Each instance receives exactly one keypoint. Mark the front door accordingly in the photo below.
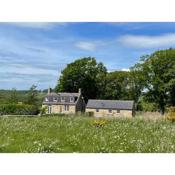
(49, 109)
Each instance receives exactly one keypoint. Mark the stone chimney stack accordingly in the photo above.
(79, 90)
(49, 90)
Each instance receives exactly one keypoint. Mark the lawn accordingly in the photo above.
(66, 134)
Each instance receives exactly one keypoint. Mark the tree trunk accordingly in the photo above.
(162, 107)
(162, 111)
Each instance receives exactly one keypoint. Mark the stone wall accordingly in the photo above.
(113, 113)
(60, 109)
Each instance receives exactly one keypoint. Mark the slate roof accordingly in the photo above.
(69, 94)
(110, 104)
(51, 97)
(63, 94)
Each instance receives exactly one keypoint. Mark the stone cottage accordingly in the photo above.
(115, 108)
(63, 102)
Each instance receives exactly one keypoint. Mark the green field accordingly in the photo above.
(66, 134)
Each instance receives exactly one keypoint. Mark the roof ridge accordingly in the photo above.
(109, 100)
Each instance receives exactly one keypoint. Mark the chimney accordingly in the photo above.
(79, 90)
(49, 90)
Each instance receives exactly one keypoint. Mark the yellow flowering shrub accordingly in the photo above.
(171, 114)
(99, 123)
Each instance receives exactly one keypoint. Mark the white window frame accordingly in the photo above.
(46, 99)
(55, 99)
(66, 107)
(71, 99)
(63, 99)
(49, 109)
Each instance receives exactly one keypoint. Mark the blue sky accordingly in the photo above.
(35, 53)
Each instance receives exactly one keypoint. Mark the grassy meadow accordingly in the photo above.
(68, 134)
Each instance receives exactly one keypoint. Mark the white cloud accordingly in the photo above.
(125, 69)
(143, 41)
(89, 46)
(39, 25)
(24, 69)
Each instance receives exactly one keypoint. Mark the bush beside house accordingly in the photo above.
(18, 109)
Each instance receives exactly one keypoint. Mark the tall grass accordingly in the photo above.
(66, 134)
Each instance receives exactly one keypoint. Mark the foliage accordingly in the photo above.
(32, 96)
(99, 123)
(55, 115)
(43, 110)
(76, 134)
(13, 96)
(171, 114)
(146, 106)
(86, 74)
(158, 75)
(18, 109)
(117, 85)
(21, 96)
(136, 85)
(90, 114)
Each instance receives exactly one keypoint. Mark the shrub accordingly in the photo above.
(147, 106)
(55, 115)
(89, 114)
(99, 123)
(18, 109)
(43, 110)
(171, 114)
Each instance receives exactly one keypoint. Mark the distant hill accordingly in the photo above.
(21, 95)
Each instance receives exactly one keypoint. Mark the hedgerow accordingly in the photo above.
(18, 109)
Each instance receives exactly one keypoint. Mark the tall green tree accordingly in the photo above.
(32, 96)
(125, 85)
(13, 96)
(136, 85)
(86, 74)
(117, 83)
(158, 74)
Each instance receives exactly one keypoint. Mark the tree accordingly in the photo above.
(136, 84)
(117, 85)
(158, 74)
(125, 85)
(13, 96)
(32, 96)
(86, 74)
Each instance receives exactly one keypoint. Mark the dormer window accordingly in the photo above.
(54, 99)
(76, 98)
(46, 99)
(63, 99)
(71, 99)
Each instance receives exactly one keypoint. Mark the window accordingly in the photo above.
(97, 110)
(54, 99)
(63, 99)
(49, 109)
(118, 110)
(71, 99)
(110, 110)
(66, 107)
(46, 99)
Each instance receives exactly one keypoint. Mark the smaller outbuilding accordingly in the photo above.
(114, 108)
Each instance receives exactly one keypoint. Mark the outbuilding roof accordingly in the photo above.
(110, 104)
